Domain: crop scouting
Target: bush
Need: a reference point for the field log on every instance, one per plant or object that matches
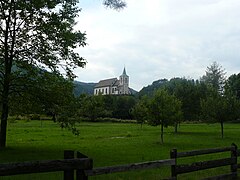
(34, 117)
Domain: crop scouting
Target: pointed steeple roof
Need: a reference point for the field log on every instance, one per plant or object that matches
(124, 71)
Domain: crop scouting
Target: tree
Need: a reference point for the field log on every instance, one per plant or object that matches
(92, 107)
(188, 92)
(233, 85)
(164, 110)
(140, 111)
(53, 93)
(220, 108)
(36, 33)
(122, 107)
(215, 76)
(115, 4)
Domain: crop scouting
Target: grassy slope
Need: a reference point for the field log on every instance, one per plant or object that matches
(113, 143)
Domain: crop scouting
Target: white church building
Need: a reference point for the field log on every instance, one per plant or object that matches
(113, 86)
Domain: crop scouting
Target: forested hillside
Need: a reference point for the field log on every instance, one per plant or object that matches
(83, 88)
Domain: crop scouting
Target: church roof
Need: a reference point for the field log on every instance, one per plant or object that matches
(124, 71)
(107, 82)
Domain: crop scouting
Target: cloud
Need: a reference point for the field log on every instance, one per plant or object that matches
(159, 39)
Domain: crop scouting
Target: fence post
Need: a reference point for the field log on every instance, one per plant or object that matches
(80, 175)
(234, 155)
(173, 155)
(68, 174)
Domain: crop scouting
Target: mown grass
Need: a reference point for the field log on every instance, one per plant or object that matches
(114, 144)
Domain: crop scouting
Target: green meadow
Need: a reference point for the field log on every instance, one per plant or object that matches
(114, 144)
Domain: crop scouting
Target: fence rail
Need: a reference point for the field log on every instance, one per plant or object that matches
(202, 165)
(129, 167)
(203, 151)
(79, 166)
(186, 168)
(44, 166)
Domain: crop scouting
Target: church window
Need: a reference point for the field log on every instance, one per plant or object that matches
(99, 91)
(112, 90)
(106, 91)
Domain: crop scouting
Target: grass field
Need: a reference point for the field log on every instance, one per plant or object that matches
(114, 144)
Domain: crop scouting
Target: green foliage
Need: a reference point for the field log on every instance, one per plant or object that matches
(189, 92)
(149, 90)
(140, 110)
(122, 107)
(112, 106)
(91, 107)
(164, 109)
(83, 88)
(49, 94)
(115, 4)
(233, 85)
(35, 34)
(220, 108)
(215, 77)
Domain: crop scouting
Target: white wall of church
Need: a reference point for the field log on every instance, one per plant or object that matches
(106, 90)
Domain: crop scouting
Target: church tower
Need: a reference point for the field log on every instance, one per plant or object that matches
(124, 83)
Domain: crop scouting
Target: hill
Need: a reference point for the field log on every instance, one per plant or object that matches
(151, 88)
(83, 88)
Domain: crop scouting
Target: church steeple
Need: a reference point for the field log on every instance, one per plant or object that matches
(124, 83)
(124, 71)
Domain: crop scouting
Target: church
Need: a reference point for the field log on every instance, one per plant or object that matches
(113, 86)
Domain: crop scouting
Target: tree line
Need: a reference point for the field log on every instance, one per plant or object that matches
(212, 98)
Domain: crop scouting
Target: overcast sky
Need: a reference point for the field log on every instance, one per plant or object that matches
(157, 39)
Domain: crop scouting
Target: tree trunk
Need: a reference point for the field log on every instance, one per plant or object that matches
(176, 128)
(8, 60)
(222, 128)
(4, 116)
(162, 133)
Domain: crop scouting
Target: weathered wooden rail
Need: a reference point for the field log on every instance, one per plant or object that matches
(129, 167)
(79, 166)
(68, 165)
(202, 165)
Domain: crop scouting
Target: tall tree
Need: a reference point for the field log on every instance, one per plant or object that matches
(220, 108)
(215, 76)
(188, 92)
(164, 110)
(36, 33)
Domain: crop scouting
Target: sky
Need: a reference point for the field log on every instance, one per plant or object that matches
(156, 39)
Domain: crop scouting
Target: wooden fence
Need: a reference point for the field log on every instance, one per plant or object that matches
(69, 164)
(196, 166)
(77, 165)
